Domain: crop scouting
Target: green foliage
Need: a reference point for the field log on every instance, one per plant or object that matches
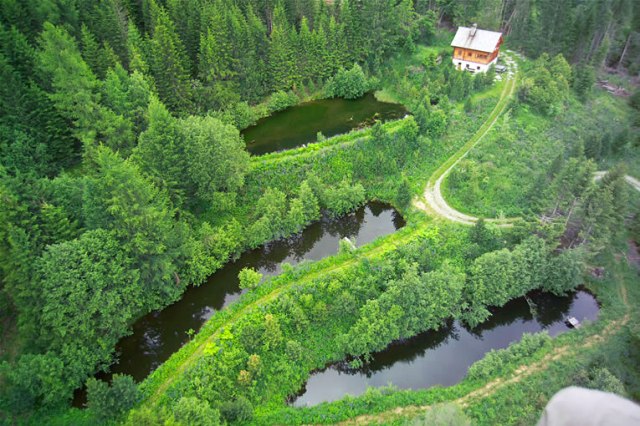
(120, 199)
(602, 379)
(74, 90)
(348, 84)
(403, 196)
(239, 410)
(406, 308)
(193, 411)
(193, 157)
(563, 272)
(344, 198)
(106, 401)
(583, 80)
(89, 294)
(249, 278)
(546, 84)
(34, 381)
(497, 362)
(215, 155)
(442, 415)
(281, 100)
(168, 62)
(499, 276)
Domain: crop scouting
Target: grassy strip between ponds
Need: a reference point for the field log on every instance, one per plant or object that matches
(506, 368)
(313, 147)
(160, 380)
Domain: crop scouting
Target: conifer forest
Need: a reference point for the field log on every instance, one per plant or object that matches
(298, 212)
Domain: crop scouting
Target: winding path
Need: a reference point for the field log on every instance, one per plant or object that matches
(433, 201)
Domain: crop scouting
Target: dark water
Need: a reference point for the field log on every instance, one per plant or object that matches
(300, 124)
(443, 357)
(159, 334)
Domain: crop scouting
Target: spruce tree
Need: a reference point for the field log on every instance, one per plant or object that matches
(168, 62)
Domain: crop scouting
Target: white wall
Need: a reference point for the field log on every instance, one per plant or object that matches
(473, 66)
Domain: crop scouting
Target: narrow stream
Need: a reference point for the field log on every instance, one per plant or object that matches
(443, 357)
(300, 124)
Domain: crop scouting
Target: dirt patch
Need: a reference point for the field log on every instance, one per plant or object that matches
(613, 89)
(597, 272)
(633, 254)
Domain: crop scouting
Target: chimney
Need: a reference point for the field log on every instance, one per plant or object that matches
(472, 31)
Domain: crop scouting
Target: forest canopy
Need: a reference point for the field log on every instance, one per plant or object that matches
(124, 176)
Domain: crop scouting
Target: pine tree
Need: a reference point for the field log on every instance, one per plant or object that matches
(254, 77)
(160, 153)
(305, 50)
(216, 61)
(138, 52)
(281, 52)
(186, 14)
(73, 83)
(111, 24)
(168, 62)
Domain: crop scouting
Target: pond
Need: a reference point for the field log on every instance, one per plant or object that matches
(300, 124)
(443, 357)
(159, 334)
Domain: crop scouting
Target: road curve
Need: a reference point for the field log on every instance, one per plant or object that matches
(434, 202)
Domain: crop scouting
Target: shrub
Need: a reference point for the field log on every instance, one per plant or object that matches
(403, 196)
(106, 401)
(249, 278)
(344, 198)
(239, 410)
(281, 100)
(496, 362)
(348, 84)
(194, 412)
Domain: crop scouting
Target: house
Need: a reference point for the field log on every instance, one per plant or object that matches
(475, 50)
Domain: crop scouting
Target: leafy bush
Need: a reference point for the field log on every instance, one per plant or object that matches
(195, 412)
(35, 380)
(249, 278)
(239, 410)
(497, 362)
(546, 84)
(344, 198)
(111, 401)
(281, 100)
(348, 84)
(403, 196)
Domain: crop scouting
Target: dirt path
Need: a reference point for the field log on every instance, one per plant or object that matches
(434, 202)
(635, 183)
